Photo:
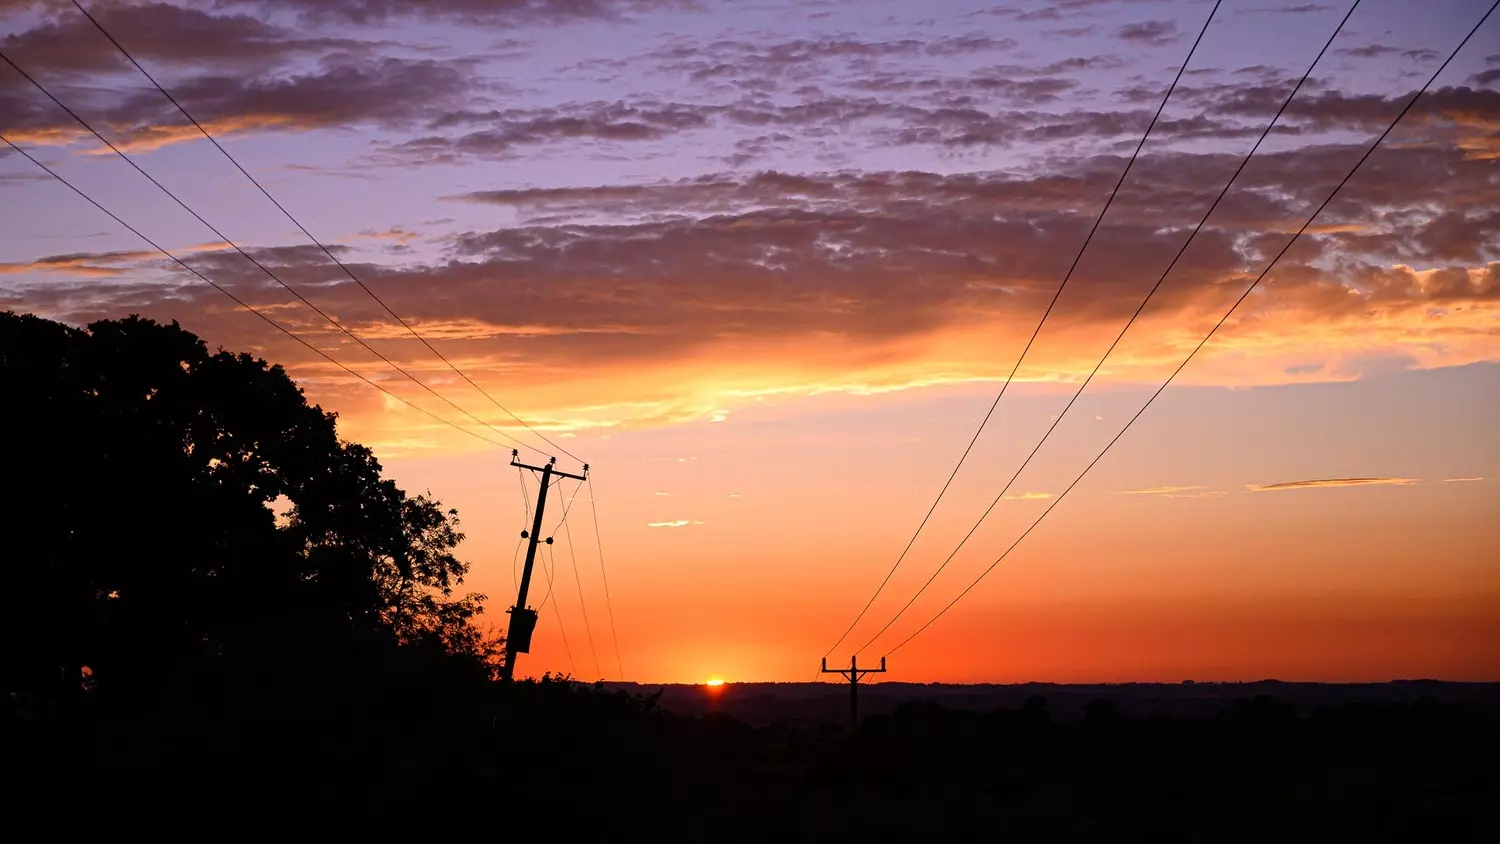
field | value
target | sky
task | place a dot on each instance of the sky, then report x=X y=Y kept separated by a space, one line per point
x=766 y=265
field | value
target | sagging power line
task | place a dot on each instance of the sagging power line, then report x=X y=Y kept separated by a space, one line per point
x=237 y=300
x=578 y=581
x=1035 y=332
x=609 y=603
x=254 y=261
x=1243 y=296
x=326 y=251
x=1265 y=133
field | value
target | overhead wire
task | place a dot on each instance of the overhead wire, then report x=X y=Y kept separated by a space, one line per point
x=237 y=300
x=1126 y=328
x=578 y=579
x=1035 y=332
x=567 y=506
x=604 y=577
x=326 y=251
x=558 y=614
x=264 y=269
x=1243 y=296
x=525 y=526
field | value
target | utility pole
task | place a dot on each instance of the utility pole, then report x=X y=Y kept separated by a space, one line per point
x=522 y=617
x=853 y=674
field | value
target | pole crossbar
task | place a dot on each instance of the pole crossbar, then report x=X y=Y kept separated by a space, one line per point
x=523 y=618
x=853 y=674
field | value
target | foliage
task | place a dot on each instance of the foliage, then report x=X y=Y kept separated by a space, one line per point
x=141 y=538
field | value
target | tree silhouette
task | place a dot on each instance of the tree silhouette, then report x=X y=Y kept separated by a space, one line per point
x=141 y=471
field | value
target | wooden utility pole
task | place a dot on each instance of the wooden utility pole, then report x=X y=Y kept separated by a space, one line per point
x=522 y=617
x=853 y=674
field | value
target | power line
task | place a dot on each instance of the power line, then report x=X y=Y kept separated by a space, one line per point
x=526 y=512
x=237 y=300
x=303 y=299
x=1214 y=330
x=578 y=579
x=1035 y=332
x=1133 y=317
x=608 y=603
x=526 y=499
x=567 y=507
x=325 y=249
x=558 y=614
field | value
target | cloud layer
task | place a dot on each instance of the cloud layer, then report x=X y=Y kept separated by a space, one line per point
x=1323 y=483
x=792 y=212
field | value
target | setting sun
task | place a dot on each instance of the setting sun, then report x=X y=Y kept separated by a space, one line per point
x=715 y=682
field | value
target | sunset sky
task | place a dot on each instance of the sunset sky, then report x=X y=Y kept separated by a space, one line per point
x=765 y=264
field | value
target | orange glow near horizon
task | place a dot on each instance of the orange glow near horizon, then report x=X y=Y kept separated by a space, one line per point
x=770 y=315
x=1202 y=548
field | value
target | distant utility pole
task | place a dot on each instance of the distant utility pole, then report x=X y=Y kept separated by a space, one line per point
x=853 y=674
x=522 y=617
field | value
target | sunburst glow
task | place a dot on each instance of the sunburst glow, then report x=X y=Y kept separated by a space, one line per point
x=715 y=682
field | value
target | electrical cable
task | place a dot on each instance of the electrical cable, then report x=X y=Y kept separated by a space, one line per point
x=1300 y=231
x=567 y=507
x=1035 y=332
x=325 y=249
x=578 y=579
x=608 y=602
x=237 y=300
x=526 y=509
x=558 y=614
x=1133 y=317
x=304 y=300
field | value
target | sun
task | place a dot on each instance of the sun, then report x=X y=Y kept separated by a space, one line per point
x=714 y=681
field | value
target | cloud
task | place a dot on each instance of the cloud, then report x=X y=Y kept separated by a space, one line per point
x=1300 y=9
x=1330 y=482
x=1011 y=106
x=673 y=524
x=390 y=92
x=723 y=286
x=1029 y=496
x=1461 y=480
x=717 y=289
x=1175 y=492
x=1154 y=32
x=160 y=32
x=1053 y=10
x=506 y=132
x=508 y=13
x=1375 y=51
x=101 y=264
x=746 y=65
x=87 y=265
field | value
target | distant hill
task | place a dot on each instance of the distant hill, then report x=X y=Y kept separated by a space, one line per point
x=811 y=704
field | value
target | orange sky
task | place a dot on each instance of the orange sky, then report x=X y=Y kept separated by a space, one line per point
x=765 y=271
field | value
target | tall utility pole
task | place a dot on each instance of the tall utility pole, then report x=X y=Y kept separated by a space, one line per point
x=853 y=674
x=522 y=617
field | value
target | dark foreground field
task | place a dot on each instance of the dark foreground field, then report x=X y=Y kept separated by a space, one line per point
x=424 y=753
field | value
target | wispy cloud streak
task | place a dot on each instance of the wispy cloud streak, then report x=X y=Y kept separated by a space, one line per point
x=1330 y=482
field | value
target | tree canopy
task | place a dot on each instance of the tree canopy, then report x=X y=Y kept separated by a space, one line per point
x=172 y=510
